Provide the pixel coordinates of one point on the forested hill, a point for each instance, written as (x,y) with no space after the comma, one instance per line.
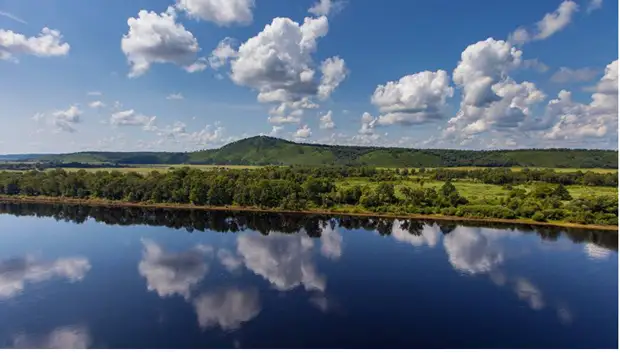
(263,150)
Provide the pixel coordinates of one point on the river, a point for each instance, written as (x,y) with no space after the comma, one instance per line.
(95,277)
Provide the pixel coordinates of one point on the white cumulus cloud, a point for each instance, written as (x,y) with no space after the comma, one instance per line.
(131,118)
(220,12)
(303,132)
(571,120)
(413,99)
(158,38)
(223,53)
(326,121)
(96,104)
(65,120)
(47,43)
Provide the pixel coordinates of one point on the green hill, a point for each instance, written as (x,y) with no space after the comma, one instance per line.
(263,150)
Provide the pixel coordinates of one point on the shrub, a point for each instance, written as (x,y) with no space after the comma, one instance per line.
(539,217)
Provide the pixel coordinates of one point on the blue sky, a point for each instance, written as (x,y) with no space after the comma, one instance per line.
(103,75)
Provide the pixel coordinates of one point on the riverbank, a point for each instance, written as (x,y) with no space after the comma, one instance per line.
(111,203)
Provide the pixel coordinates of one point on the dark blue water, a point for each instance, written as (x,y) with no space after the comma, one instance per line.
(76,277)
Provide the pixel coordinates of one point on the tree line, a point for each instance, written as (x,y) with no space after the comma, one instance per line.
(502,176)
(308,188)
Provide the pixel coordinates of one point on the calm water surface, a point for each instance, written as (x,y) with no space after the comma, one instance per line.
(77,277)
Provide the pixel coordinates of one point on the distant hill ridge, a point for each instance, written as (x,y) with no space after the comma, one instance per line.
(264,150)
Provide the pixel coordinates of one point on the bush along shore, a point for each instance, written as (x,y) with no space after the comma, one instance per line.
(327,189)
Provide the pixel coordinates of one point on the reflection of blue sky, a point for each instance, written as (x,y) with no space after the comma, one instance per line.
(237,280)
(179,273)
(16,272)
(482,251)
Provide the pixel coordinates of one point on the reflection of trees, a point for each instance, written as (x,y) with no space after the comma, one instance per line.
(16,272)
(266,222)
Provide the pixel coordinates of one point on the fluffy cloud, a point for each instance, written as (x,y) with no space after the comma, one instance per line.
(65,120)
(594,5)
(368,124)
(334,72)
(208,135)
(303,132)
(491,99)
(578,121)
(170,274)
(47,43)
(67,337)
(132,118)
(157,38)
(175,96)
(277,62)
(16,272)
(96,104)
(326,121)
(220,12)
(413,99)
(482,65)
(227,308)
(549,25)
(223,53)
(326,7)
(564,74)
(283,260)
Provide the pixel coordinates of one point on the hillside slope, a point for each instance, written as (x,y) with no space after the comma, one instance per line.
(263,150)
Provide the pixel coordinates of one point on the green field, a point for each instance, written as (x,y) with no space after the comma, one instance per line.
(479,191)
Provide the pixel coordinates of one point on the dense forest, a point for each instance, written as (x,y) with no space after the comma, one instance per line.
(263,150)
(265,223)
(306,188)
